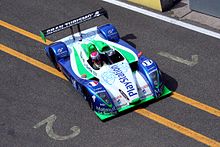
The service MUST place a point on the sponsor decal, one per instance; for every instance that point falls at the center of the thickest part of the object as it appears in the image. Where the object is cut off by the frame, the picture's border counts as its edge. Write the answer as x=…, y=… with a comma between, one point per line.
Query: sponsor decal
x=93, y=98
x=103, y=110
x=61, y=52
x=98, y=89
x=73, y=22
x=118, y=101
x=110, y=31
x=123, y=79
x=108, y=77
x=89, y=36
x=101, y=91
x=97, y=14
x=102, y=104
x=123, y=94
x=145, y=91
x=118, y=97
x=93, y=83
x=81, y=56
x=94, y=73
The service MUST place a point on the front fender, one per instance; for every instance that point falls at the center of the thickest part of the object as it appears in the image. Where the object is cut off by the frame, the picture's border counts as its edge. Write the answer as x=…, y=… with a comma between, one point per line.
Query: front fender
x=98, y=95
x=152, y=74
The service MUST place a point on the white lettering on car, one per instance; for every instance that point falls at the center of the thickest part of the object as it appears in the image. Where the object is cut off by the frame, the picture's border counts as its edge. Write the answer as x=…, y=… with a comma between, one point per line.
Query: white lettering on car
x=123, y=79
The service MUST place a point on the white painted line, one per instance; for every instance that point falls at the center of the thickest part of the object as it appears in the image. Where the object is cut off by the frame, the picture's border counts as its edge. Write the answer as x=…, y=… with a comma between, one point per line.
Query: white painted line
x=49, y=129
x=194, y=61
x=165, y=18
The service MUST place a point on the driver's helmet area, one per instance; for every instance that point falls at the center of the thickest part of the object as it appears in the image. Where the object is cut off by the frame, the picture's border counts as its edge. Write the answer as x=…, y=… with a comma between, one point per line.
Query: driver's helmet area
x=96, y=59
x=100, y=54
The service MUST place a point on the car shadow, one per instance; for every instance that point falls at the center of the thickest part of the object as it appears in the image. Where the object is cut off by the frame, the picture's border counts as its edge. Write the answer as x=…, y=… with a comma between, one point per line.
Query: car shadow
x=178, y=4
x=127, y=38
x=169, y=82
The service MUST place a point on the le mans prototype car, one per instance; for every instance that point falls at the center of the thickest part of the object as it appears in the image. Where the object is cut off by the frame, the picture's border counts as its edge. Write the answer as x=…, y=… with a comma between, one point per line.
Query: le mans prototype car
x=126, y=78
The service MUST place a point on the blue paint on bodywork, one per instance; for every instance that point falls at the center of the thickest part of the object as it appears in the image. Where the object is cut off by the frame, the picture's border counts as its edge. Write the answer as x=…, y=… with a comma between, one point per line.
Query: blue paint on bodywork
x=149, y=68
x=125, y=44
x=109, y=32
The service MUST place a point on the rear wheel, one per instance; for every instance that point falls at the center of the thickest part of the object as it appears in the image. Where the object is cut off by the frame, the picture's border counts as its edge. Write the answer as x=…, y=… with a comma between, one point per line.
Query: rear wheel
x=52, y=57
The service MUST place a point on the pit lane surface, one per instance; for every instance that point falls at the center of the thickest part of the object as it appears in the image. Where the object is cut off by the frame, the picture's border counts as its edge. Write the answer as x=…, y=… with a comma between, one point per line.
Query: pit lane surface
x=28, y=95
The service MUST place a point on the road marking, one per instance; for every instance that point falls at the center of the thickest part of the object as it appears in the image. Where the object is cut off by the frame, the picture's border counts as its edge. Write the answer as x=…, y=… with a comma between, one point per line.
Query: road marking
x=183, y=99
x=196, y=104
x=181, y=129
x=32, y=61
x=23, y=32
x=194, y=61
x=166, y=122
x=49, y=129
x=164, y=18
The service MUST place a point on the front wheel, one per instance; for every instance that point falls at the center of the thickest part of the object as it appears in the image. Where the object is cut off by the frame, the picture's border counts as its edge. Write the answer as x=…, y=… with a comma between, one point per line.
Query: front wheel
x=90, y=102
x=87, y=98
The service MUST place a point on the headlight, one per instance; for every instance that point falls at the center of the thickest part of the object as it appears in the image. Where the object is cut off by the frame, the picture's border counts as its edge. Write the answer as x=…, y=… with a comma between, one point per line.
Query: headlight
x=155, y=78
x=105, y=98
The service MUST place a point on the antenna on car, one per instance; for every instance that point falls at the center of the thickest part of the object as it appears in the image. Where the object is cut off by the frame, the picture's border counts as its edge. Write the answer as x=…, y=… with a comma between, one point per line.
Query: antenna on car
x=71, y=23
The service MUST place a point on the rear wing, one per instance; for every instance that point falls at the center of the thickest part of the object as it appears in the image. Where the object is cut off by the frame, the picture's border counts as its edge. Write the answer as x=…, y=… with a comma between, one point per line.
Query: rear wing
x=73, y=22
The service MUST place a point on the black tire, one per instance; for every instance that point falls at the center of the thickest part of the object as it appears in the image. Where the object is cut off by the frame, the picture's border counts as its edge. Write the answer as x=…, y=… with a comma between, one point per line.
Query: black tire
x=90, y=102
x=52, y=58
x=88, y=98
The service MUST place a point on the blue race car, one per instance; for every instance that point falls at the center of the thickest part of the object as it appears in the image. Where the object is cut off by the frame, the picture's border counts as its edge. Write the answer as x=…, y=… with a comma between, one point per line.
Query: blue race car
x=110, y=74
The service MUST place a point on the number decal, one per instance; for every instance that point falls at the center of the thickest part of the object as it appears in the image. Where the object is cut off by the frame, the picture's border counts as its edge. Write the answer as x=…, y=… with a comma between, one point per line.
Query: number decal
x=147, y=62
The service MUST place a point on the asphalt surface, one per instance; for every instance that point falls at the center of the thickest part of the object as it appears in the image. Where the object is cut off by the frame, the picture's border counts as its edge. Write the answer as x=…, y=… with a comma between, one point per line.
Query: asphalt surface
x=29, y=95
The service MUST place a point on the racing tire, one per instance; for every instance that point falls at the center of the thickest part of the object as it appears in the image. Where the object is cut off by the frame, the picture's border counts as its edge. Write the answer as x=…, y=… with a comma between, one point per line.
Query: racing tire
x=88, y=98
x=52, y=58
x=91, y=104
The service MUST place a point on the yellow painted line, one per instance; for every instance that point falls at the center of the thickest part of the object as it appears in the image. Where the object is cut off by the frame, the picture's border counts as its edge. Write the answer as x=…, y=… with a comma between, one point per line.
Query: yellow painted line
x=175, y=95
x=181, y=129
x=141, y=111
x=23, y=32
x=196, y=104
x=32, y=61
x=154, y=4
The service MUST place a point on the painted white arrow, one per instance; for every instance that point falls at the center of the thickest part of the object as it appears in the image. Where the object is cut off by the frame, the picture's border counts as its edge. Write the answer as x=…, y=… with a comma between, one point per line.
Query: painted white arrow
x=195, y=58
x=49, y=129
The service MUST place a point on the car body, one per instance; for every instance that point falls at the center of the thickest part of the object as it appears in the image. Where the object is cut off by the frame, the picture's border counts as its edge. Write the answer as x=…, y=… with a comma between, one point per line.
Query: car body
x=126, y=79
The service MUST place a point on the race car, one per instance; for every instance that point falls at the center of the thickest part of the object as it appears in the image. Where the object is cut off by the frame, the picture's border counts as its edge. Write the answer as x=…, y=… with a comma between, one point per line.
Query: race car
x=110, y=74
